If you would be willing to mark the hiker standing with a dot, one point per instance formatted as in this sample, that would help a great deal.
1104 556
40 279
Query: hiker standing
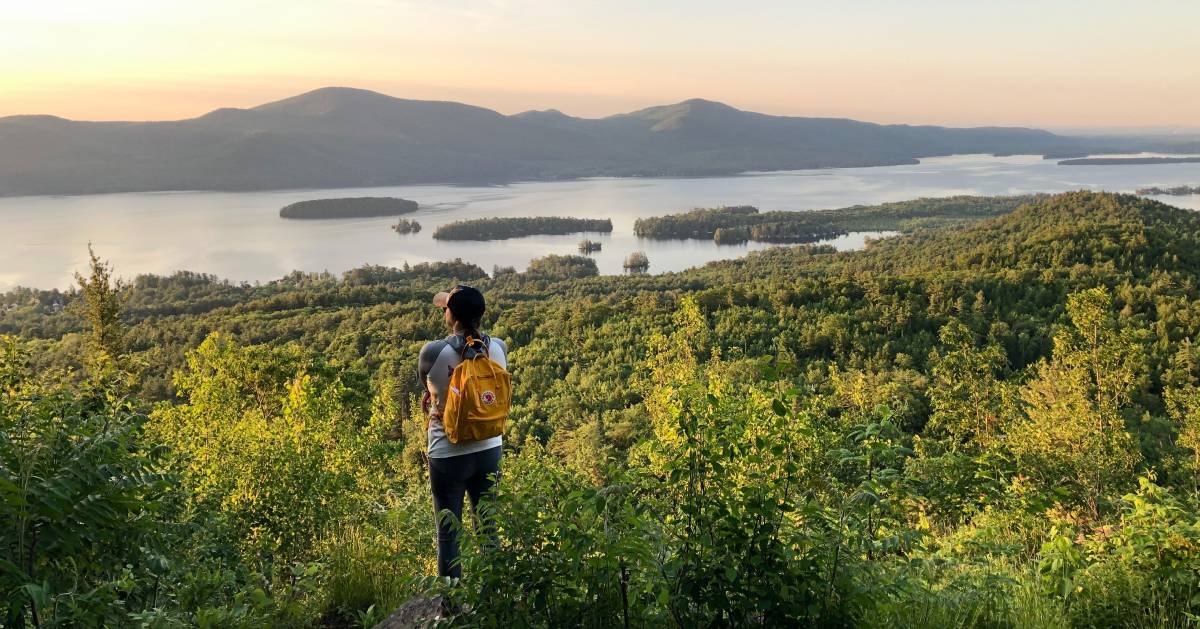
467 396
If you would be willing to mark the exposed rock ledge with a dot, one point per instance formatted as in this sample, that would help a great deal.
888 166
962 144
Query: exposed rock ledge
417 612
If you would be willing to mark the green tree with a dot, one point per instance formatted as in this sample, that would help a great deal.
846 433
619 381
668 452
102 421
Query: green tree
266 439
102 302
1074 436
1183 404
79 501
966 393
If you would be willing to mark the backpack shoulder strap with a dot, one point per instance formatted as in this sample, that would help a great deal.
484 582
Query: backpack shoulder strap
476 343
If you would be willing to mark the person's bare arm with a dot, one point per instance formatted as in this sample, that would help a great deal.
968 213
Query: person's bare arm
425 361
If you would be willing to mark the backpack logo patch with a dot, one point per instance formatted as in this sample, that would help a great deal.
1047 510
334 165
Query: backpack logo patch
488 398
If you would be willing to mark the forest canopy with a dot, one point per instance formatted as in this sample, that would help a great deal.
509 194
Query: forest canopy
993 423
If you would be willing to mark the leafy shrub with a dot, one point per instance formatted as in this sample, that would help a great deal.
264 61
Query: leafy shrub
79 499
554 551
266 438
377 563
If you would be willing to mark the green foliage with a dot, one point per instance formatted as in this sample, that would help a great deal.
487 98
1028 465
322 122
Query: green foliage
379 561
1073 438
79 500
269 440
713 530
1183 404
1141 570
968 397
553 550
743 546
941 430
101 305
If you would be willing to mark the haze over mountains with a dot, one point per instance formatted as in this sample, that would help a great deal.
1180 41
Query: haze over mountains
343 137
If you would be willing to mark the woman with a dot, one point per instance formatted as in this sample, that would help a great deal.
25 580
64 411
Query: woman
465 467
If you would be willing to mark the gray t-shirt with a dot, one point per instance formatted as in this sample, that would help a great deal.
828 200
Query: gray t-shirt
434 366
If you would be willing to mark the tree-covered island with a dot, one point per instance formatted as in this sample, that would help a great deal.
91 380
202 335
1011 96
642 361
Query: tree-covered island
354 207
589 246
501 228
406 226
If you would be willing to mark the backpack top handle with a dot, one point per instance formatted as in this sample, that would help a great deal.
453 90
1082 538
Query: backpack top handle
471 341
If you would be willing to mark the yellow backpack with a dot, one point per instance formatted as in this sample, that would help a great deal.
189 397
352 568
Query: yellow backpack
478 398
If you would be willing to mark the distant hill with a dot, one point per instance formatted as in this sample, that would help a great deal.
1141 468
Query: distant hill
343 137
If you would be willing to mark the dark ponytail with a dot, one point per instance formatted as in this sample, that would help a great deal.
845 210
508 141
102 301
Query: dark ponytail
470 329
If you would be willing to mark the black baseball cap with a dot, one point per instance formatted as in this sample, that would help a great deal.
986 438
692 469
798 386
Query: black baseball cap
465 302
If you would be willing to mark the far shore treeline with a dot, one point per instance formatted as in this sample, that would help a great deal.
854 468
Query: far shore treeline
1127 161
354 207
501 228
1176 191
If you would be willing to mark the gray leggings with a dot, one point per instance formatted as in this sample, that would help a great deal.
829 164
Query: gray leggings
450 478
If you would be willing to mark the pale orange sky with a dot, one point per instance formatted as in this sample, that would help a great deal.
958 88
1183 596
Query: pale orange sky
1048 63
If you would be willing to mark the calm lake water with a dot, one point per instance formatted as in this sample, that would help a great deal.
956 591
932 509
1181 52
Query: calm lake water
240 236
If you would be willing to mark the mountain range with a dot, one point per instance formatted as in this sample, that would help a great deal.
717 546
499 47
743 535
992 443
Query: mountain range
344 137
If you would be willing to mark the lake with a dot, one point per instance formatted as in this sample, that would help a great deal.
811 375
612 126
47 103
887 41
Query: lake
239 235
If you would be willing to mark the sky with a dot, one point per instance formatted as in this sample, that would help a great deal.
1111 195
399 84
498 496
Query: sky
1049 63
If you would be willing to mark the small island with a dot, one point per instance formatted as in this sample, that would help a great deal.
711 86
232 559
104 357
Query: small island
356 207
501 228
405 226
1177 191
588 246
637 262
1127 161
556 267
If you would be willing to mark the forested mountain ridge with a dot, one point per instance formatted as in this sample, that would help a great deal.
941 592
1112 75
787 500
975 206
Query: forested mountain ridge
342 137
988 424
